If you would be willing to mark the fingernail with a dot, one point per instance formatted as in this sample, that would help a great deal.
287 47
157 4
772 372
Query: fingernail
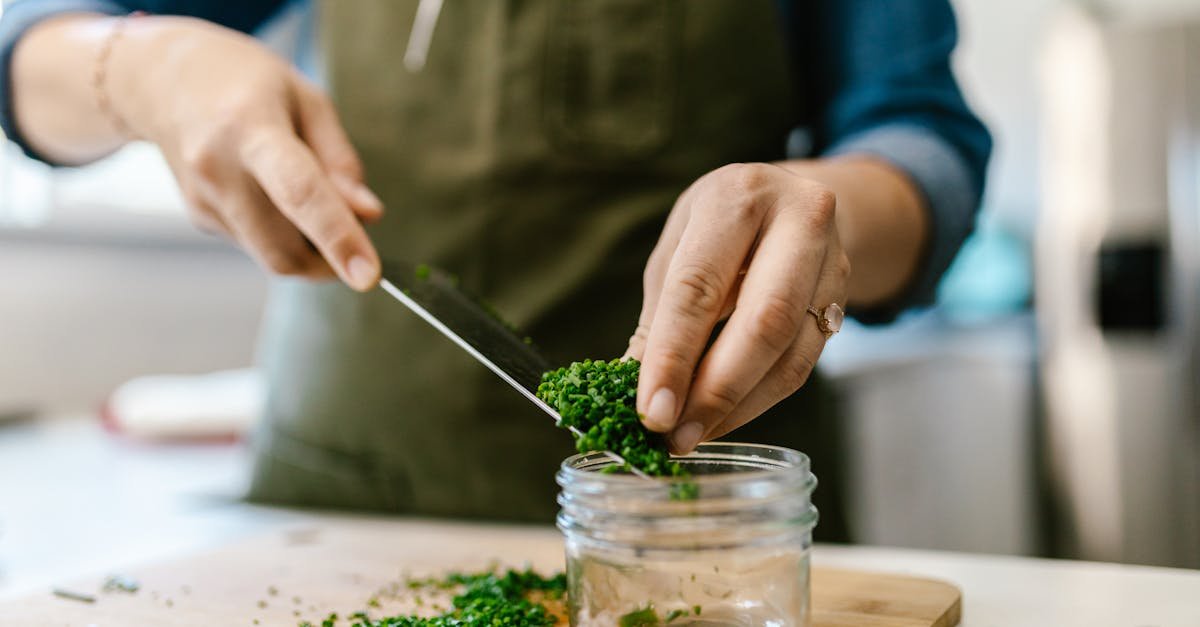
359 194
661 411
686 437
362 273
367 198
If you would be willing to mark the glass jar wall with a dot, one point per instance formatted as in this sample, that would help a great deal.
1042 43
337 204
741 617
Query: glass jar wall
728 547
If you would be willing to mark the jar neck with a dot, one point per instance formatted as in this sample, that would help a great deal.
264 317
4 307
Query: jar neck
744 495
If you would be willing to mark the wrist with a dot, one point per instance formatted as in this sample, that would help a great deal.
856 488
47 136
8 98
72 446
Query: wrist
880 219
110 38
138 91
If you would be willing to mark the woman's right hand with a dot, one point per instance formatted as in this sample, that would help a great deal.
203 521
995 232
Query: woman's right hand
258 151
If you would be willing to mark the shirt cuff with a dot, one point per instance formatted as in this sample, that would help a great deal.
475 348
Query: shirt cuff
19 17
951 198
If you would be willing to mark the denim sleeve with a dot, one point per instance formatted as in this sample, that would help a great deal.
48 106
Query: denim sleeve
882 85
21 15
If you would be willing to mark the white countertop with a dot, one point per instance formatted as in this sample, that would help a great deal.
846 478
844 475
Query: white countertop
74 501
1001 590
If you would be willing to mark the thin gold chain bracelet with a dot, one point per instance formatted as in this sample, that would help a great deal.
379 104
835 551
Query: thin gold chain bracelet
100 75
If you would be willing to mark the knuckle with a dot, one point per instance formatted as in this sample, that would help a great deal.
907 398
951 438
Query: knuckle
314 97
721 398
201 220
746 209
747 183
347 162
652 270
284 262
822 208
698 288
673 358
652 274
775 321
842 267
316 271
266 144
339 239
299 192
237 102
194 192
795 371
200 159
749 177
257 145
339 154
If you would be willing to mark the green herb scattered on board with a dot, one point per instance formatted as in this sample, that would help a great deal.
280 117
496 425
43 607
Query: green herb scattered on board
599 398
513 598
486 600
121 583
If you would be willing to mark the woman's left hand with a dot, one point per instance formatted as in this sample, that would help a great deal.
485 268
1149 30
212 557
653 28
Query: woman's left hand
754 243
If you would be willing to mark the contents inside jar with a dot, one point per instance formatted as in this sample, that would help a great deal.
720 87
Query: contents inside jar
764 590
739 551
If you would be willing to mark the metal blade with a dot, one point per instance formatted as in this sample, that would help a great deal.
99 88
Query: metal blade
472 324
435 296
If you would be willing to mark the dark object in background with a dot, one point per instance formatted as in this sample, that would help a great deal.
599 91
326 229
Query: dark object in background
1129 289
15 415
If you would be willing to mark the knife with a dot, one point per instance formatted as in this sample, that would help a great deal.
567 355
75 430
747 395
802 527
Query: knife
472 324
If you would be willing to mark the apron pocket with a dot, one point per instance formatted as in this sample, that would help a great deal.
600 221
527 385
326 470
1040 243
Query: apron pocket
611 68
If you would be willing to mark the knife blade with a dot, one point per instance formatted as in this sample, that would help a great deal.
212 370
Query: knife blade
472 324
435 296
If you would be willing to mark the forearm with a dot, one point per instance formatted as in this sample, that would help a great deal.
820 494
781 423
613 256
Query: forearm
55 103
881 219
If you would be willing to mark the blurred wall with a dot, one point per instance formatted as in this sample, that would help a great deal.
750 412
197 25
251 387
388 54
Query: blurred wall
997 55
83 310
102 279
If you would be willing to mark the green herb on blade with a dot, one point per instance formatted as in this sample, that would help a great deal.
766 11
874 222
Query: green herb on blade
599 398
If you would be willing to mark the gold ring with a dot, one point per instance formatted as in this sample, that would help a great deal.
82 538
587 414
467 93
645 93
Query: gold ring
829 318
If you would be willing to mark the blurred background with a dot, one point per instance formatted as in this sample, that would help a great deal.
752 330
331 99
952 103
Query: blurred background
1048 405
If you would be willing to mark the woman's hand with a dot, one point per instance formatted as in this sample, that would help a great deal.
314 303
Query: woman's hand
259 152
754 243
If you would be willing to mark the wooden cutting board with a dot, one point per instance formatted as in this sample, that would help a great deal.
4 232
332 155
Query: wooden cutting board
340 565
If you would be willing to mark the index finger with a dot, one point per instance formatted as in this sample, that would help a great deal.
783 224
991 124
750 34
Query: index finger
770 312
698 280
290 175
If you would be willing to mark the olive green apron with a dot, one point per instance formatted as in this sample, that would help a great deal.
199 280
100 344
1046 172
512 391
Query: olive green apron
536 155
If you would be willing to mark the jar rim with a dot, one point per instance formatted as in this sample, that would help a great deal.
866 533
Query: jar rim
750 462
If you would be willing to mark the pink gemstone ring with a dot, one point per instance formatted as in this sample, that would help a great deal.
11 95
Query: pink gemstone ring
829 318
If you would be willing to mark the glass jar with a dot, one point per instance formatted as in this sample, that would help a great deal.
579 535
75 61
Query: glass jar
728 546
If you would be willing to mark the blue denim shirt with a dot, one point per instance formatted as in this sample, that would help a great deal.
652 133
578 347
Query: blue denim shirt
875 75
